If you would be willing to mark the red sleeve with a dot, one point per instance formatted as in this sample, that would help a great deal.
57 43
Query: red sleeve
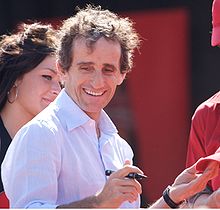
196 145
204 137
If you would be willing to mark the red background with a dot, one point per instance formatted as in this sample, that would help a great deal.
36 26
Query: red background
158 89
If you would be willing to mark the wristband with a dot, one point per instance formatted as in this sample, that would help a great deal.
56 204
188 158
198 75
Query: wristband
169 201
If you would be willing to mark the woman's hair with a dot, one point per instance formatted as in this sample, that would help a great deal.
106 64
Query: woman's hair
92 23
23 51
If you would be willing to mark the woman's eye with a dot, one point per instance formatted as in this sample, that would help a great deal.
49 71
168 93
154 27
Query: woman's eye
48 77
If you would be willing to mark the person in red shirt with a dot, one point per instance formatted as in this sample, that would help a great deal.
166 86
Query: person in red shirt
204 139
204 136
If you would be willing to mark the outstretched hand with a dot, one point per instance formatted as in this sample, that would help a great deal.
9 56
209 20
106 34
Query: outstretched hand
213 200
189 182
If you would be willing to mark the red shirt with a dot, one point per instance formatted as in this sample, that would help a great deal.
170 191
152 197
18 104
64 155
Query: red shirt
204 136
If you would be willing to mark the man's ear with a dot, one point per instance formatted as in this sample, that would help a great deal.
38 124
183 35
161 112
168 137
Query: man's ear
122 77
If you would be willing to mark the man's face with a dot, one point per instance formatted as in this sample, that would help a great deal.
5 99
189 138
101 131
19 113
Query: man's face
94 75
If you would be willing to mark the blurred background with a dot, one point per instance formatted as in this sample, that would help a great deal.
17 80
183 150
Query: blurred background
175 70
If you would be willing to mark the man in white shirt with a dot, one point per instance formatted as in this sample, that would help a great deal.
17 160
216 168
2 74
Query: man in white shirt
58 159
63 153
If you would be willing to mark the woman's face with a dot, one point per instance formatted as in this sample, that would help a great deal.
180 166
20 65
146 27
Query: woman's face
39 87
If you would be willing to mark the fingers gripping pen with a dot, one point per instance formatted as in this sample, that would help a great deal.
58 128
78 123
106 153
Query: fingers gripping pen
130 175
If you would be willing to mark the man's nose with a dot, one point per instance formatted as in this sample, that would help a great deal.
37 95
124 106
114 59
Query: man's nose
98 80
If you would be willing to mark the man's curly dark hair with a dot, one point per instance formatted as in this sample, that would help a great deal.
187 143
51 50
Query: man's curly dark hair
93 23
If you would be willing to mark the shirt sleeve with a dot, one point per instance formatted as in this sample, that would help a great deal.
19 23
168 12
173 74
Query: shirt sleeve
196 147
29 171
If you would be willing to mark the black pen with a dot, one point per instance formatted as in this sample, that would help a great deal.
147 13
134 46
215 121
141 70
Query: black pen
130 175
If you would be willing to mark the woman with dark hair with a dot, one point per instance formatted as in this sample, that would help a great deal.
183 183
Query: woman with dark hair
29 80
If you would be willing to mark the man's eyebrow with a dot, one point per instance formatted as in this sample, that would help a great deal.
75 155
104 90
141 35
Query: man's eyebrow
82 63
92 63
109 65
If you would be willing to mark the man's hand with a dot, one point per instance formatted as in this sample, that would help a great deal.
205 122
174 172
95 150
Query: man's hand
208 200
188 183
213 200
119 189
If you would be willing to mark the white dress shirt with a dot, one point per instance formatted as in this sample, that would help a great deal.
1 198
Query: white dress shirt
57 158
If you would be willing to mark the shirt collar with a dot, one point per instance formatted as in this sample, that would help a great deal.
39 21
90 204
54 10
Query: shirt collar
73 116
105 124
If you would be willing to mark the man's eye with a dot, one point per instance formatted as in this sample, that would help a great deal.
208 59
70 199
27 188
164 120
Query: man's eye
108 70
48 77
85 68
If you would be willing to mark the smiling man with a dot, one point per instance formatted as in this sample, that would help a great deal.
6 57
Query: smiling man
63 152
94 74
